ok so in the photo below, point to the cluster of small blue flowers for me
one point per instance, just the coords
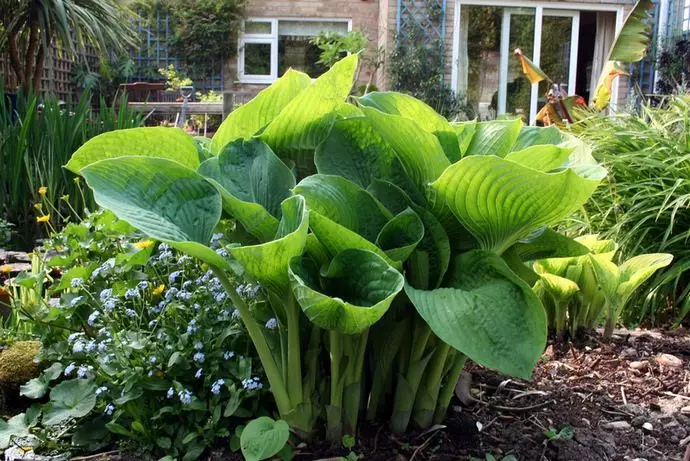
(249, 291)
(252, 384)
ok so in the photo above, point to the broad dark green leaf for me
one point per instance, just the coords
(400, 236)
(70, 399)
(486, 312)
(351, 295)
(250, 118)
(169, 143)
(162, 198)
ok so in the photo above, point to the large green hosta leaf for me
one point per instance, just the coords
(355, 151)
(248, 119)
(418, 150)
(414, 109)
(486, 312)
(501, 202)
(465, 132)
(268, 262)
(637, 270)
(496, 137)
(541, 158)
(162, 198)
(347, 216)
(254, 183)
(305, 121)
(351, 295)
(536, 135)
(549, 244)
(170, 143)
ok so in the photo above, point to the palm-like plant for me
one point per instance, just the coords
(29, 27)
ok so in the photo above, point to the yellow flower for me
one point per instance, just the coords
(159, 289)
(42, 190)
(143, 244)
(44, 218)
(6, 269)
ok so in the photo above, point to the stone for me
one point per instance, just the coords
(638, 365)
(668, 360)
(638, 421)
(685, 410)
(631, 408)
(648, 426)
(617, 425)
(629, 353)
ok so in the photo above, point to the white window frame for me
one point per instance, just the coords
(272, 39)
(541, 9)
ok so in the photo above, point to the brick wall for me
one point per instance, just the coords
(363, 13)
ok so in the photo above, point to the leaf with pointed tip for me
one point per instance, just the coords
(537, 135)
(549, 244)
(637, 270)
(541, 158)
(354, 292)
(169, 143)
(268, 262)
(486, 312)
(501, 202)
(419, 151)
(250, 118)
(496, 137)
(306, 120)
(412, 108)
(254, 182)
(400, 236)
(162, 198)
(355, 151)
(465, 132)
(634, 37)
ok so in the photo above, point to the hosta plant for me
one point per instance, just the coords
(580, 291)
(389, 243)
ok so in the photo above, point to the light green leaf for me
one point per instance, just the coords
(16, 427)
(496, 137)
(253, 183)
(607, 275)
(162, 198)
(305, 121)
(637, 270)
(268, 262)
(560, 288)
(549, 244)
(465, 132)
(352, 294)
(541, 158)
(70, 399)
(248, 119)
(37, 387)
(412, 108)
(169, 143)
(419, 151)
(537, 135)
(263, 438)
(501, 202)
(633, 39)
(486, 312)
(401, 235)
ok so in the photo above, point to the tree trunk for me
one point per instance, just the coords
(30, 54)
(14, 58)
(38, 70)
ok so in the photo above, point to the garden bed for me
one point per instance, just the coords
(591, 388)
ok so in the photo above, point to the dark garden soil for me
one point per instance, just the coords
(624, 401)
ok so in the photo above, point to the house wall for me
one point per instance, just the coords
(363, 13)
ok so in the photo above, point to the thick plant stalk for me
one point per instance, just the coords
(610, 321)
(334, 412)
(352, 389)
(427, 396)
(449, 388)
(267, 360)
(294, 380)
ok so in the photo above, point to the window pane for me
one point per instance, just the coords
(297, 52)
(310, 28)
(257, 27)
(555, 53)
(257, 59)
(519, 89)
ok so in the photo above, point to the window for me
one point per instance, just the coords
(686, 16)
(269, 47)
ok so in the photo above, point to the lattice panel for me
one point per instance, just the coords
(423, 20)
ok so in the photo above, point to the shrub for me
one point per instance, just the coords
(388, 224)
(643, 205)
(147, 338)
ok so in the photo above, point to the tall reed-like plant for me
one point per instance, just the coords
(644, 204)
(36, 139)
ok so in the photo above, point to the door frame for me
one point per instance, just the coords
(542, 8)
